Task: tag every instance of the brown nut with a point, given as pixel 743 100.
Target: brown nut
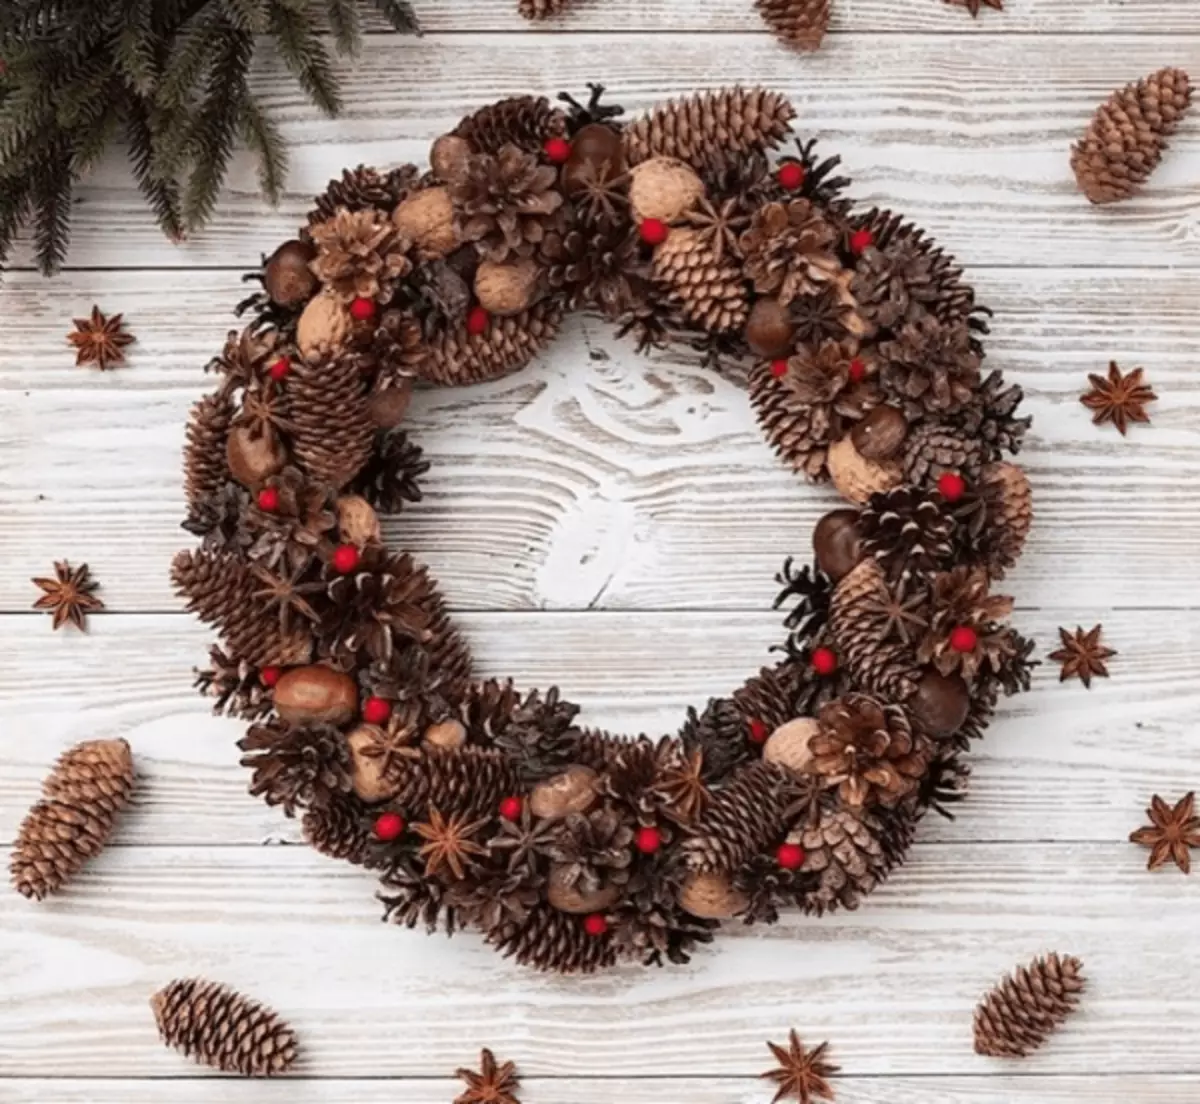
pixel 769 329
pixel 507 289
pixel 788 744
pixel 574 898
pixel 287 278
pixel 448 735
pixel 324 326
pixel 357 521
pixel 836 543
pixel 663 188
pixel 572 791
pixel 449 156
pixel 316 695
pixel 426 218
pixel 940 704
pixel 711 896
pixel 857 478
pixel 254 457
pixel 880 434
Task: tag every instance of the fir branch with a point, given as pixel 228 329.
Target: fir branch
pixel 135 49
pixel 306 56
pixel 400 15
pixel 261 135
pixel 52 216
pixel 161 191
pixel 346 26
pixel 247 15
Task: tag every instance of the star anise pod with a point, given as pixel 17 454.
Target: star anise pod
pixel 524 841
pixel 825 316
pixel 448 843
pixel 720 226
pixel 1120 398
pixel 1082 655
pixel 393 742
pixel 601 196
pixel 287 594
pixel 99 340
pixel 902 613
pixel 1171 834
pixel 683 788
pixel 69 595
pixel 493 1084
pixel 803 1074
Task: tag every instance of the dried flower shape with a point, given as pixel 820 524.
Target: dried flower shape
pixel 868 750
pixel 296 765
pixel 522 121
pixel 300 529
pixel 1128 136
pixel 286 595
pixel 360 254
pixel 503 203
pixel 524 843
pixel 1082 655
pixel 720 225
pixel 830 314
pixel 681 785
pixel 218 1027
pixel 393 744
pixel 1171 834
pixel 100 341
pixel 1021 1013
pixel 1120 399
pixel 930 367
pixel 902 613
pixel 364 188
pixel 960 600
pixel 82 798
pixel 790 250
pixel 70 596
pixel 494 1083
pixel 798 23
pixel 803 1074
pixel 595 849
pixel 235 687
pixel 449 849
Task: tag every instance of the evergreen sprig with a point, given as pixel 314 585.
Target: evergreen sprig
pixel 169 77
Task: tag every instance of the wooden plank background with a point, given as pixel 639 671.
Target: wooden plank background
pixel 612 523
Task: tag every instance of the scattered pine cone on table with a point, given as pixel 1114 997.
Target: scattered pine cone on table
pixel 798 23
pixel 1025 1009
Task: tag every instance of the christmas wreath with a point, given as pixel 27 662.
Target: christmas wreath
pixel 486 807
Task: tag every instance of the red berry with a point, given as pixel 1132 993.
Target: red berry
pixel 648 840
pixel 861 241
pixel 557 149
pixel 951 486
pixel 268 499
pixel 477 321
pixel 280 369
pixel 824 662
pixel 779 368
pixel 510 808
pixel 653 231
pixel 389 826
pixel 345 559
pixel 269 676
pixel 595 924
pixel 758 732
pixel 791 175
pixel 362 310
pixel 790 856
pixel 963 638
pixel 376 711
pixel 858 370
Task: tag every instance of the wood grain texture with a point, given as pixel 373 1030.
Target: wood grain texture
pixel 968 135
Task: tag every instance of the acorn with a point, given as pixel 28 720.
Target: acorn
pixel 836 543
pixel 663 188
pixel 769 329
pixel 857 478
pixel 449 156
pixel 566 897
pixel 366 771
pixel 287 278
pixel 788 744
pixel 387 406
pixel 572 791
pixel 594 148
pixel 448 735
pixel 324 327
pixel 879 435
pixel 254 457
pixel 316 695
pixel 427 219
pixel 507 289
pixel 358 523
pixel 941 703
pixel 711 896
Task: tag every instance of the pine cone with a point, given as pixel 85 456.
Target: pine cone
pixel 790 250
pixel 336 829
pixel 218 1027
pixel 594 850
pixel 930 367
pixel 205 469
pixel 711 290
pixel 220 520
pixel 589 263
pixel 245 358
pixel 1009 501
pixel 1020 1014
pixel 1128 134
pixel 540 738
pixel 988 418
pixel 541 9
pixel 360 255
pixel 389 478
pixel 487 709
pixel 88 787
pixel 844 851
pixel 720 734
pixel 868 750
pixel 798 23
pixel 504 202
pixel 469 782
pixel 333 432
pixel 458 358
pixel 770 697
pixel 796 430
pixel 711 126
pixel 886 669
pixel 553 941
pixel 909 533
pixel 235 686
pixel 395 350
pixel 960 600
pixel 522 121
pixel 931 450
pixel 296 765
pixel 364 189
pixel 743 818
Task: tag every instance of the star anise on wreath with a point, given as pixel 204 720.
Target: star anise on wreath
pixel 683 788
pixel 286 594
pixel 1120 398
pixel 524 840
pixel 802 1074
pixel 901 614
pixel 99 340
pixel 1171 834
pixel 601 196
pixel 394 741
pixel 448 843
pixel 820 317
pixel 720 226
pixel 1082 655
pixel 69 595
pixel 493 1084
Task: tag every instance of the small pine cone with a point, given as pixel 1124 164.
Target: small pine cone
pixel 843 850
pixel 333 432
pixel 720 733
pixel 791 425
pixel 710 289
pixel 1128 134
pixel 469 782
pixel 487 709
pixel 887 670
pixel 743 818
pixel 337 829
pixel 216 1026
pixel 798 23
pixel 522 121
pixel 541 9
pixel 990 418
pixel 205 468
pixel 711 126
pixel 459 358
pixel 770 696
pixel 908 532
pixel 930 451
pixel 1020 1014
pixel 83 795
pixel 296 765
pixel 1009 500
pixel 362 189
pixel 390 477
pixel 553 941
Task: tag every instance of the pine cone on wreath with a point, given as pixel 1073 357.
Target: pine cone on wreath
pixel 909 532
pixel 333 432
pixel 458 358
pixel 244 360
pixel 1009 499
pixel 770 698
pixel 988 418
pixel 1128 135
pixel 394 351
pixel 205 468
pixel 895 286
pixel 220 520
pixel 218 1027
pixel 798 23
pixel 470 782
pixel 931 450
pixel 1025 1009
pixel 302 526
pixel 360 255
pixel 296 765
pixel 745 817
pixel 593 850
pixel 790 250
pixel 799 434
pixel 930 367
pixel 81 799
pixel 337 829
pixel 526 122
pixel 364 189
pixel 540 736
pixel 719 735
pixel 541 9
pixel 844 852
pixel 390 477
pixel 235 686
pixel 504 203
pixel 553 941
pixel 960 603
pixel 711 290
pixel 589 263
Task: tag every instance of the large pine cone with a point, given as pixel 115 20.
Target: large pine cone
pixel 1021 1013
pixel 1009 501
pixel 930 451
pixel 205 468
pixel 930 367
pixel 790 250
pixel 360 254
pixel 1128 134
pixel 988 418
pixel 469 782
pixel 960 599
pixel 843 849
pixel 908 532
pixel 798 23
pixel 296 765
pixel 218 1027
pixel 333 433
pixel 553 941
pixel 82 797
pixel 710 289
pixel 337 829
pixel 362 189
pixel 743 818
pixel 522 121
pixel 503 203
pixel 458 358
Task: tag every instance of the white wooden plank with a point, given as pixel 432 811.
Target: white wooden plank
pixel 893 984
pixel 992 116
pixel 1061 763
